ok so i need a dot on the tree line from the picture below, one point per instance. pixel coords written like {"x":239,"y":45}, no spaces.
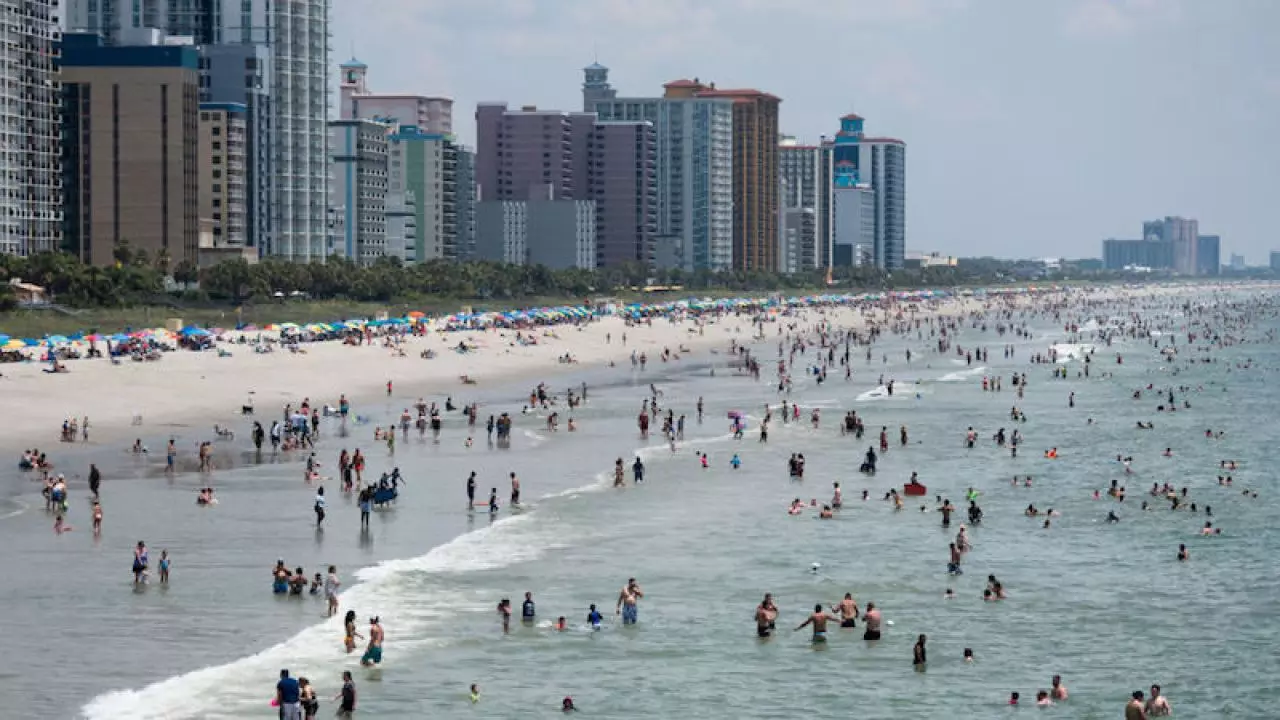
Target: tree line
{"x":136,"y":279}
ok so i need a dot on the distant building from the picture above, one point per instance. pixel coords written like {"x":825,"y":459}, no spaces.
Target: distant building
{"x":694,"y":169}
{"x":1275,"y":261}
{"x":854,"y":226}
{"x":595,"y":86}
{"x":31,"y":202}
{"x":135,"y":111}
{"x":538,"y":172}
{"x":880,"y":165}
{"x":807,"y":204}
{"x":1181,"y":235}
{"x":1146,"y":253}
{"x":927,"y":260}
{"x":355,"y":100}
{"x":555,"y":233}
{"x":359,"y":189}
{"x":1237,"y":262}
{"x":755,"y":174}
{"x":223,"y":171}
{"x":424,"y":178}
{"x":466,"y":185}
{"x":241,"y":74}
{"x":1208,"y":259}
{"x":296,"y":34}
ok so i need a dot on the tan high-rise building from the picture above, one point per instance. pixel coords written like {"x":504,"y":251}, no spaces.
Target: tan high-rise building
{"x":130,"y":164}
{"x":223,"y":127}
{"x":755,"y":171}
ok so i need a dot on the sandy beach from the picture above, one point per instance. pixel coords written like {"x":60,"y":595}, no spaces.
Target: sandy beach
{"x":188,"y":389}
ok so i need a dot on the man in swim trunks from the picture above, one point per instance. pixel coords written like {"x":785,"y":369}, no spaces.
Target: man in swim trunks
{"x":818,"y":620}
{"x":627,"y":600}
{"x":847,"y":610}
{"x":766,"y":616}
{"x":373,"y":654}
{"x":872,"y":620}
{"x":918,"y":658}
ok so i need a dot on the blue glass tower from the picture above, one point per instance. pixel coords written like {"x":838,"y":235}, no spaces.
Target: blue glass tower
{"x":845,"y":170}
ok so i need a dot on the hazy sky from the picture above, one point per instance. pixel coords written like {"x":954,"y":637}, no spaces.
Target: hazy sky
{"x":1033,"y":127}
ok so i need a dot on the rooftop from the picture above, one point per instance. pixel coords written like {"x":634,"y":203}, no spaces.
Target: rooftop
{"x":353,"y":63}
{"x":743,"y":94}
{"x":853,"y":116}
{"x":886,"y":140}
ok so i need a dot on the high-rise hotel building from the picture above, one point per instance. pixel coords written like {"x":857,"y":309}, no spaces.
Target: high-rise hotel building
{"x":30,"y":133}
{"x":296,"y":32}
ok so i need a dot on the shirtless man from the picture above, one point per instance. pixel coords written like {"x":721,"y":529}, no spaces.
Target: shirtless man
{"x":1158,"y":706}
{"x":627,"y":600}
{"x":1133,"y":710}
{"x":818,"y":620}
{"x":766,"y":616}
{"x":1058,"y":691}
{"x":373,"y":654}
{"x":872,"y":620}
{"x":847,"y":610}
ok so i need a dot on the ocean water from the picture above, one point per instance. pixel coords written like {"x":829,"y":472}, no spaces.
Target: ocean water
{"x":1107,"y":606}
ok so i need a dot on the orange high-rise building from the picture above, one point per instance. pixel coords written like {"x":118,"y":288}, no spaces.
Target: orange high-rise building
{"x":755,"y":171}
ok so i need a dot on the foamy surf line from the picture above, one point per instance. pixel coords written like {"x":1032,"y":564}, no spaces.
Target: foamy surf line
{"x":219,"y":691}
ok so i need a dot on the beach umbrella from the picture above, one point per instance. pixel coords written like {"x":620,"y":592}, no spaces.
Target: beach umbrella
{"x":4,"y":339}
{"x":14,"y":344}
{"x":416,"y":314}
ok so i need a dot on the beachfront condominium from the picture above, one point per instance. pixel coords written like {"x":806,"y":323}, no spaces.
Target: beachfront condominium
{"x":30,"y":134}
{"x":754,"y":170}
{"x":694,"y":174}
{"x":133,"y":111}
{"x":806,"y":204}
{"x":223,"y":168}
{"x":296,"y":34}
{"x":359,"y":202}
{"x":355,"y":100}
{"x":423,"y":182}
{"x":615,"y":166}
{"x":869,"y":171}
{"x":528,"y":210}
{"x":241,"y":75}
{"x":1208,"y":255}
{"x":1180,"y":236}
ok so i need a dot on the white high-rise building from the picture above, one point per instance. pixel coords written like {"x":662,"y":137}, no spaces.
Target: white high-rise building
{"x":806,"y":205}
{"x":297,"y":34}
{"x":695,"y":176}
{"x":30,"y":132}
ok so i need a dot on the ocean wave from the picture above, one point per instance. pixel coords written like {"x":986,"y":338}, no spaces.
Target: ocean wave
{"x":963,"y":375}
{"x":391,"y":589}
